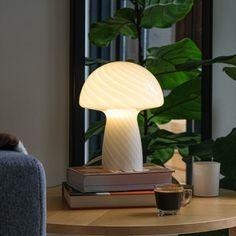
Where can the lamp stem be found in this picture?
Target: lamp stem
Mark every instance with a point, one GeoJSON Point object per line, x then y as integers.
{"type": "Point", "coordinates": [122, 149]}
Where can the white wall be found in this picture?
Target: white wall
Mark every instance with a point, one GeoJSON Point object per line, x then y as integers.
{"type": "Point", "coordinates": [160, 37]}
{"type": "Point", "coordinates": [224, 88]}
{"type": "Point", "coordinates": [34, 79]}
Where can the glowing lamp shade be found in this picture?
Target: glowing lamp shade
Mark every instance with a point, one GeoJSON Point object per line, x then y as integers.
{"type": "Point", "coordinates": [121, 90]}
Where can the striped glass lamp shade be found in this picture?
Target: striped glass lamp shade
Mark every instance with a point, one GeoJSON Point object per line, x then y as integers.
{"type": "Point", "coordinates": [121, 90]}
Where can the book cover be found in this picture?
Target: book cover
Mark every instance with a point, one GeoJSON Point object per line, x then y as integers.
{"type": "Point", "coordinates": [79, 200]}
{"type": "Point", "coordinates": [96, 179]}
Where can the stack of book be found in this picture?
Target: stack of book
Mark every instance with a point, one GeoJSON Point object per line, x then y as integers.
{"type": "Point", "coordinates": [94, 187]}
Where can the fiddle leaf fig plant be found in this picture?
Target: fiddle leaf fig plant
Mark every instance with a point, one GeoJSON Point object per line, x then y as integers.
{"type": "Point", "coordinates": [161, 61]}
{"type": "Point", "coordinates": [176, 66]}
{"type": "Point", "coordinates": [183, 101]}
{"type": "Point", "coordinates": [223, 150]}
{"type": "Point", "coordinates": [162, 13]}
{"type": "Point", "coordinates": [123, 22]}
{"type": "Point", "coordinates": [194, 64]}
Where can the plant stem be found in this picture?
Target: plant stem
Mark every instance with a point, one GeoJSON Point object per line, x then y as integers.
{"type": "Point", "coordinates": [145, 122]}
{"type": "Point", "coordinates": [139, 11]}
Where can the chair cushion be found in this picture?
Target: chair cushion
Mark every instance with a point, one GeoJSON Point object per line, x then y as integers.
{"type": "Point", "coordinates": [22, 195]}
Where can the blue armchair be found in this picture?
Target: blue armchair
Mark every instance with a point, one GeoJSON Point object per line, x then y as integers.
{"type": "Point", "coordinates": [22, 195]}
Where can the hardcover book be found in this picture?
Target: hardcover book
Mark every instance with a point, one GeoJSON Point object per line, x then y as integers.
{"type": "Point", "coordinates": [79, 200]}
{"type": "Point", "coordinates": [96, 179]}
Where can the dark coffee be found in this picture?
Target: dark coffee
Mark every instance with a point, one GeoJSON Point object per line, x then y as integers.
{"type": "Point", "coordinates": [168, 200]}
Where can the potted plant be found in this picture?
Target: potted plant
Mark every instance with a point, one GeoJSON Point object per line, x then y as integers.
{"type": "Point", "coordinates": [176, 66]}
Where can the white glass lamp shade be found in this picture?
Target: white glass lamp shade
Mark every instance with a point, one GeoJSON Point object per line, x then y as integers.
{"type": "Point", "coordinates": [121, 90]}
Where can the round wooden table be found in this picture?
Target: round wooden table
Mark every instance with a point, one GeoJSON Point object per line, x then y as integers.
{"type": "Point", "coordinates": [203, 214]}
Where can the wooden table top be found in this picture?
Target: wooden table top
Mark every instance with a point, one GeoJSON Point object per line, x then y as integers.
{"type": "Point", "coordinates": [202, 214]}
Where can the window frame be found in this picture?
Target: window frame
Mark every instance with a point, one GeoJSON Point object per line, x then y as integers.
{"type": "Point", "coordinates": [203, 9]}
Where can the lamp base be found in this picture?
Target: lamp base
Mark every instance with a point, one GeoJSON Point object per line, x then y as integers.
{"type": "Point", "coordinates": [122, 148]}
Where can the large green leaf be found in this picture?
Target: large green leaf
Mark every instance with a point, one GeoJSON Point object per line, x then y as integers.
{"type": "Point", "coordinates": [163, 143]}
{"type": "Point", "coordinates": [146, 138]}
{"type": "Point", "coordinates": [184, 102]}
{"type": "Point", "coordinates": [98, 61]}
{"type": "Point", "coordinates": [165, 138]}
{"type": "Point", "coordinates": [126, 14]}
{"type": "Point", "coordinates": [202, 150]}
{"type": "Point", "coordinates": [161, 61]}
{"type": "Point", "coordinates": [102, 33]}
{"type": "Point", "coordinates": [230, 71]}
{"type": "Point", "coordinates": [184, 152]}
{"type": "Point", "coordinates": [162, 155]}
{"type": "Point", "coordinates": [196, 64]}
{"type": "Point", "coordinates": [224, 151]}
{"type": "Point", "coordinates": [228, 183]}
{"type": "Point", "coordinates": [96, 128]}
{"type": "Point", "coordinates": [164, 13]}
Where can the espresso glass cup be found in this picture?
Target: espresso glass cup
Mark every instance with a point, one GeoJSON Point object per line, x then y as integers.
{"type": "Point", "coordinates": [170, 198]}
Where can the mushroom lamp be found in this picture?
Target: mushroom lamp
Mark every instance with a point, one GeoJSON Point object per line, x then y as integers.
{"type": "Point", "coordinates": [121, 90]}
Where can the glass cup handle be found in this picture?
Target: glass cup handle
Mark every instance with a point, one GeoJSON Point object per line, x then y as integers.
{"type": "Point", "coordinates": [187, 197]}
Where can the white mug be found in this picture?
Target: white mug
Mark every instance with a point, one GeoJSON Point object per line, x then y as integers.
{"type": "Point", "coordinates": [206, 177]}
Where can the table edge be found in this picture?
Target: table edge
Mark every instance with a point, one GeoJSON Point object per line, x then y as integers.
{"type": "Point", "coordinates": [142, 230]}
